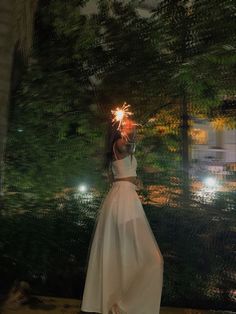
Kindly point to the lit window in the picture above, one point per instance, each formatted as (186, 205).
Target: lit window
(199, 136)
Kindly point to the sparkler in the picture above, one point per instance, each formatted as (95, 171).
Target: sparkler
(120, 114)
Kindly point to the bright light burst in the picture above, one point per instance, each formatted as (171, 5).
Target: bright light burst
(120, 114)
(208, 192)
(211, 182)
(82, 188)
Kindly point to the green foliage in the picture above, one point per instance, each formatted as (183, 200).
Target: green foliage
(49, 244)
(197, 39)
(197, 244)
(54, 137)
(56, 140)
(147, 62)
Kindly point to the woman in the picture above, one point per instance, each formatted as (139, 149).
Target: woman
(125, 268)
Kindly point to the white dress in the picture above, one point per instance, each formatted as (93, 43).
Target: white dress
(125, 264)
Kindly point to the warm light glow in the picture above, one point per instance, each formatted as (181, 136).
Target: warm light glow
(199, 136)
(219, 123)
(120, 114)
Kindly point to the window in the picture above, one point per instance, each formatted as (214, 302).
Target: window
(198, 136)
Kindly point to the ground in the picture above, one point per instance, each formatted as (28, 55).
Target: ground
(50, 305)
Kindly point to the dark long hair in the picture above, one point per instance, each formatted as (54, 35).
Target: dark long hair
(112, 135)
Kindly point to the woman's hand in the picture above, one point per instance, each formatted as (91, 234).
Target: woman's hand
(139, 184)
(110, 178)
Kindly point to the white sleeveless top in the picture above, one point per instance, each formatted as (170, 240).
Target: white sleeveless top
(124, 167)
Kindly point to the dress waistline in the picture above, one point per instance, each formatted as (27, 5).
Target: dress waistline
(124, 183)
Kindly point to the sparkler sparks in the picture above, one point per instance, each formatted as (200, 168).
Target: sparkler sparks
(120, 114)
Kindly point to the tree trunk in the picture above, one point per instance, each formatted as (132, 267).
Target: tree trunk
(6, 59)
(185, 149)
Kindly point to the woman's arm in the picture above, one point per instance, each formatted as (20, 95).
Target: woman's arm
(125, 147)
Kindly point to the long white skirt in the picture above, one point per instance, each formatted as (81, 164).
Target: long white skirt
(125, 264)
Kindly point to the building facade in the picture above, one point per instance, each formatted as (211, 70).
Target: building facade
(212, 150)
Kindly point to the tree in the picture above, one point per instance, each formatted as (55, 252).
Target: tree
(201, 54)
(179, 58)
(54, 136)
(16, 27)
(167, 69)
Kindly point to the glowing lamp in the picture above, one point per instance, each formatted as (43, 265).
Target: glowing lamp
(82, 188)
(210, 182)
